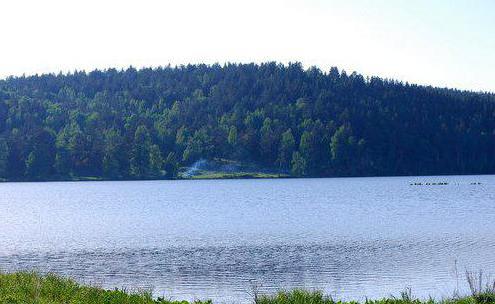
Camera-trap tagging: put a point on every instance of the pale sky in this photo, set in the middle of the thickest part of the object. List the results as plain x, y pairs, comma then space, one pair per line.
437, 42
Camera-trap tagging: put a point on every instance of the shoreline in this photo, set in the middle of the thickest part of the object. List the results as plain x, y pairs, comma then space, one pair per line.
31, 287
213, 177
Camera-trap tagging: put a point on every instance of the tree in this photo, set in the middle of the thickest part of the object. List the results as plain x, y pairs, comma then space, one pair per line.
16, 163
286, 148
140, 155
306, 145
156, 161
62, 162
198, 146
31, 166
343, 148
73, 144
41, 159
232, 138
182, 137
113, 164
4, 156
298, 164
171, 165
268, 142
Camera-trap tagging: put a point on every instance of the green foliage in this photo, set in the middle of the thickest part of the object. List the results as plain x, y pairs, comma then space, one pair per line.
286, 148
126, 124
113, 154
40, 161
140, 155
344, 148
156, 161
4, 157
199, 145
298, 164
307, 149
171, 165
232, 139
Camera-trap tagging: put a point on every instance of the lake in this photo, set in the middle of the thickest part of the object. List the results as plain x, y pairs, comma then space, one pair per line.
217, 239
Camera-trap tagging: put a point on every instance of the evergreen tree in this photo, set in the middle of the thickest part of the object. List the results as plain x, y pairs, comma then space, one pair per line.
40, 161
287, 146
298, 164
112, 154
4, 157
171, 165
199, 146
140, 156
344, 150
156, 161
306, 148
232, 138
118, 124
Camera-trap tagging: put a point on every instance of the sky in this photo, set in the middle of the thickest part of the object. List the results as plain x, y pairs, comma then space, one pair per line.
446, 43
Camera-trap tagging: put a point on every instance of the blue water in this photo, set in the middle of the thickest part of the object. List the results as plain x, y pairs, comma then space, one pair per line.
350, 237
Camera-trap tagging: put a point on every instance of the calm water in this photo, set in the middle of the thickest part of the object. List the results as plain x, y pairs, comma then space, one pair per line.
351, 237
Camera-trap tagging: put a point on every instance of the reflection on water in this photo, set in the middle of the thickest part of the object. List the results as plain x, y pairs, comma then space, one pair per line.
216, 239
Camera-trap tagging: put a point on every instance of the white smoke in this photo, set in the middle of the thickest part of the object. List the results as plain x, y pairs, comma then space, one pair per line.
198, 165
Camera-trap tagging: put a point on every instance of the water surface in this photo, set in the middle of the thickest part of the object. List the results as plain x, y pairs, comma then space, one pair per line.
351, 237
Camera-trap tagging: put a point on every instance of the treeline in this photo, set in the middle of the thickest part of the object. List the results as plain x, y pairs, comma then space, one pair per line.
148, 123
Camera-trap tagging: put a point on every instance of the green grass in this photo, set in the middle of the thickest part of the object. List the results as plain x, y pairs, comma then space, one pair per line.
32, 288
316, 297
227, 175
221, 168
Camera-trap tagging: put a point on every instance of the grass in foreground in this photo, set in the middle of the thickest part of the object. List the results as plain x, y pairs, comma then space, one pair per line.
316, 297
31, 288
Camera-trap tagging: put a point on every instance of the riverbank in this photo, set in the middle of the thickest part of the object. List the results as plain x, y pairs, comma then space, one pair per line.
237, 175
203, 175
30, 288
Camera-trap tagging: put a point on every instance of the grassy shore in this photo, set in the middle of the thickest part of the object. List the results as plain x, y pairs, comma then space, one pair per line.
31, 288
235, 175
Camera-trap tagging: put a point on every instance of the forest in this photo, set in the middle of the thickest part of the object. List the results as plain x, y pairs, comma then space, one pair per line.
149, 123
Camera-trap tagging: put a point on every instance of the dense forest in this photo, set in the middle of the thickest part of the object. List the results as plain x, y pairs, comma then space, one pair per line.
148, 123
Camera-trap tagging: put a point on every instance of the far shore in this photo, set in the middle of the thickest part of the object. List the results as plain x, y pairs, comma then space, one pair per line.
215, 176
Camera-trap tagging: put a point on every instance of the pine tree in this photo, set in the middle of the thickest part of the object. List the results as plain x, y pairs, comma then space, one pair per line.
140, 155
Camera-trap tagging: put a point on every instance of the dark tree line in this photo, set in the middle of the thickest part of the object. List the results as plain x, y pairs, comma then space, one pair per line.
147, 123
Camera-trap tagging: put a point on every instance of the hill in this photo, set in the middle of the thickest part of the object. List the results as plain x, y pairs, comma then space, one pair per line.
149, 123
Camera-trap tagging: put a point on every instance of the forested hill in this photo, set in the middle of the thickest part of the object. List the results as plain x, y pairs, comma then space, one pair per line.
148, 123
